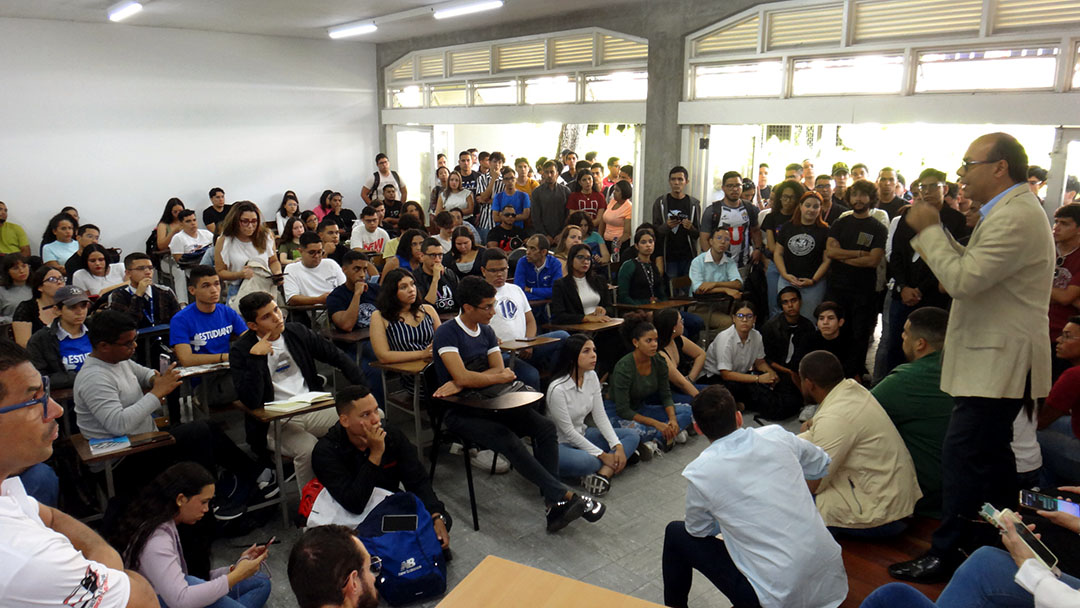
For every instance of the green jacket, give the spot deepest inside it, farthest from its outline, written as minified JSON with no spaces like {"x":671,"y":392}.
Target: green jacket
{"x":630,"y":390}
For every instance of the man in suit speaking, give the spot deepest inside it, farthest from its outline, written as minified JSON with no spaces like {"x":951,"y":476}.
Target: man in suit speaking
{"x":997,"y":350}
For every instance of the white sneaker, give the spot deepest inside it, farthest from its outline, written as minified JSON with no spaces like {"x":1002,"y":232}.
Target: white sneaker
{"x":482,"y":460}
{"x":681,"y":437}
{"x":807,"y":412}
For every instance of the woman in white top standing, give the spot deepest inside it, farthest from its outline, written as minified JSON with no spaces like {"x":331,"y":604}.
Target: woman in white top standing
{"x":99,"y":277}
{"x":244,"y":239}
{"x":595,"y":454}
{"x":455,"y":197}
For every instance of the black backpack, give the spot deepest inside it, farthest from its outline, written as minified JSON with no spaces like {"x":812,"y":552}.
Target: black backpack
{"x":375,"y":184}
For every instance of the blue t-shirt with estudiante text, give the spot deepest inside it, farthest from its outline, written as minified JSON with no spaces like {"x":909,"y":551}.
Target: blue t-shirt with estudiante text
{"x":206,"y":333}
{"x":73,"y":351}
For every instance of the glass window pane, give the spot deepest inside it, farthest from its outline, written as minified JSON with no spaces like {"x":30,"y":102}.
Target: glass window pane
{"x":495,"y":93}
{"x":551,"y":89}
{"x":861,"y":74}
{"x":761,"y":79}
{"x":1031,"y":68}
{"x":408,"y":97}
{"x":448,"y":95}
{"x":617,"y":86}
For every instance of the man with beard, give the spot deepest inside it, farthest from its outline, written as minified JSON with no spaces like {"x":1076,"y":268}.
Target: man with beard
{"x":329,"y":567}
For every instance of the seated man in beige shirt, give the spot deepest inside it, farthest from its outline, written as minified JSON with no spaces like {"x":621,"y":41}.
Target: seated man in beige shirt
{"x":871,"y":485}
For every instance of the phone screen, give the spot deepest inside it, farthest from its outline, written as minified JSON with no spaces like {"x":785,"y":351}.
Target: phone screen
{"x":1033,"y":500}
{"x":1035,"y":545}
{"x":398,"y":523}
{"x":163,"y":363}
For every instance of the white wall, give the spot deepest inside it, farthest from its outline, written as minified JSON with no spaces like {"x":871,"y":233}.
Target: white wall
{"x":116,"y":119}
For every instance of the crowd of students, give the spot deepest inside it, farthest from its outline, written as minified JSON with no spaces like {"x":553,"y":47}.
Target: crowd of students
{"x":786,"y":284}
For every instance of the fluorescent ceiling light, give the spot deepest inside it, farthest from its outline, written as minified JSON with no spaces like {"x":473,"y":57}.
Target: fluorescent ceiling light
{"x":123,"y":10}
{"x":467,"y":9}
{"x":352,"y":29}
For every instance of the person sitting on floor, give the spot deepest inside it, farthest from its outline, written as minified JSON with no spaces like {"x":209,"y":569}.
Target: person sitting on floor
{"x":359,"y":454}
{"x":147,"y":303}
{"x":916,"y":405}
{"x":468,"y":359}
{"x":323,"y":558}
{"x":685,"y":359}
{"x":871,"y":485}
{"x":276,"y":361}
{"x":59,"y":351}
{"x":785,"y":337}
{"x":744,"y":483}
{"x":736,"y":358}
{"x":641,"y":395}
{"x":50,"y":558}
{"x":830,"y":319}
{"x":148,"y":532}
{"x":592,"y":454}
{"x":311,"y":281}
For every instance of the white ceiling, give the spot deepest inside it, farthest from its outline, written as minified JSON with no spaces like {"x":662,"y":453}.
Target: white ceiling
{"x":297,"y":18}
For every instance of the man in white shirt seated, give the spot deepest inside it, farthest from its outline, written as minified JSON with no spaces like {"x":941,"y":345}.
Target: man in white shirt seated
{"x":751,"y":525}
{"x":514,"y":320}
{"x":47,"y":557}
{"x":309,"y":282}
{"x":192,"y":244}
{"x":871,"y":485}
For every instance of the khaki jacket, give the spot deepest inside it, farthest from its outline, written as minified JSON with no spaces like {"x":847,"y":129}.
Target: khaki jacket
{"x":871,"y":478}
{"x":1000,"y":285}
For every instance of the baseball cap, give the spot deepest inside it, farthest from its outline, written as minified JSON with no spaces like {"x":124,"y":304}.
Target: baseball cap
{"x":69,"y":295}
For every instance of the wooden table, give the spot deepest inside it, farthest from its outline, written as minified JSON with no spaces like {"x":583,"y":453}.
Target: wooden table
{"x":655,"y":306}
{"x":588,"y":328}
{"x":275,"y":419}
{"x":513,"y":346}
{"x":139,"y":443}
{"x":416,"y":370}
{"x":499,"y":582}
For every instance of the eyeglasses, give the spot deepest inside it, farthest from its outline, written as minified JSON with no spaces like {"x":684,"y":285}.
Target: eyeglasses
{"x":129,"y":344}
{"x":582,"y":258}
{"x":929,"y":187}
{"x":43,"y":401}
{"x":248,"y":222}
{"x":54,"y":280}
{"x":376,"y":565}
{"x":744,"y":316}
{"x":968,"y":164}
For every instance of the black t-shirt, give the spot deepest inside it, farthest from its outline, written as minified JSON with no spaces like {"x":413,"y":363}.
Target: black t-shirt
{"x":835,"y":211}
{"x":804,"y":248}
{"x":786,"y":343}
{"x":29,"y":312}
{"x":678,"y":241}
{"x":215,"y":217}
{"x":392,"y":208}
{"x":893,"y":207}
{"x":842,"y":347}
{"x":773,"y":220}
{"x":508,"y":239}
{"x":468,"y":182}
{"x":856,"y":234}
{"x":344,"y":220}
{"x":444,"y":295}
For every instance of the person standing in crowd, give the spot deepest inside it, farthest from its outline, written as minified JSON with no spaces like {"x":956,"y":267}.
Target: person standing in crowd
{"x":586,"y":199}
{"x":840,"y":175}
{"x":1005,"y":273}
{"x":615,"y":222}
{"x":786,"y":197}
{"x":213,"y":217}
{"x":831,"y":207}
{"x":677,"y":217}
{"x":739,"y":218}
{"x":374,"y":185}
{"x":888,"y":201}
{"x":1059,"y":418}
{"x":523,"y":181}
{"x":549,"y":201}
{"x":442,"y":175}
{"x":799,"y":253}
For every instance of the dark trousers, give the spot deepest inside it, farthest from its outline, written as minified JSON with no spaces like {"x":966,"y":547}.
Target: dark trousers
{"x":684,"y":553}
{"x":501,"y":430}
{"x":861,"y":310}
{"x":778,"y":402}
{"x":898,"y":313}
{"x":978,"y":466}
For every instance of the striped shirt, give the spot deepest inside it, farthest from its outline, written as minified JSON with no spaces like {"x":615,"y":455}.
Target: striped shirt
{"x":404,"y":337}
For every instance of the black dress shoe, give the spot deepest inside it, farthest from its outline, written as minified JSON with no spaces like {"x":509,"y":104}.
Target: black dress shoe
{"x":926,"y":569}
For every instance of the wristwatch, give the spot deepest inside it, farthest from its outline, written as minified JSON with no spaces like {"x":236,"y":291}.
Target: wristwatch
{"x":439,"y":517}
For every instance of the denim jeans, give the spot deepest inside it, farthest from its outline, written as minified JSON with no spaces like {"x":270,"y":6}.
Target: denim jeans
{"x":984,"y":579}
{"x":41,"y":483}
{"x":1060,"y":452}
{"x":574,"y":462}
{"x":683,"y":415}
{"x":543,"y":356}
{"x":251,"y":592}
{"x":772,"y":282}
{"x":683,"y":397}
{"x":501,"y":431}
{"x":811,"y":296}
{"x":684,"y":553}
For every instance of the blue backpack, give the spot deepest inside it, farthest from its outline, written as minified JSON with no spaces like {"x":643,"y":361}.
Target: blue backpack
{"x":412,"y":561}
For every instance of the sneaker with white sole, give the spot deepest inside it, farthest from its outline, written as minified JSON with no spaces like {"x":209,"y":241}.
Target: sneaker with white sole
{"x":481,"y":459}
{"x":807,"y":412}
{"x":653,"y":449}
{"x":681,"y":437}
{"x":594,"y":509}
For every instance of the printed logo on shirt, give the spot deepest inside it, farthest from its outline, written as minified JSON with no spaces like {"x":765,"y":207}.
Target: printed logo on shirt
{"x":508,"y":309}
{"x":74,"y":362}
{"x":202,"y":338}
{"x":284,"y":367}
{"x":865,"y":239}
{"x":444,"y":298}
{"x":376,"y":245}
{"x":1062,"y":277}
{"x":90,"y":592}
{"x":801,"y":244}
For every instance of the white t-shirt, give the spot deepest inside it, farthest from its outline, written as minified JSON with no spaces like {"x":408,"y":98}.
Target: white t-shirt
{"x":377,"y":193}
{"x":510,"y":308}
{"x":368,"y":241}
{"x":728,"y":352}
{"x":182,"y":243}
{"x":236,"y":254}
{"x":456,"y":200}
{"x":94,"y":284}
{"x":304,"y":281}
{"x":588,"y":296}
{"x":40,"y":567}
{"x":285,"y":374}
{"x":1025,"y":443}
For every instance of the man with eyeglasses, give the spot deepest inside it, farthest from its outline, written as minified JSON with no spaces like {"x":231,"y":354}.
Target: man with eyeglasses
{"x":147,"y":303}
{"x":309,"y":282}
{"x":831,"y":207}
{"x":537,"y":272}
{"x":739,"y":217}
{"x":1059,"y":418}
{"x":736,"y":359}
{"x":433,"y":283}
{"x":996,"y":354}
{"x":914,"y":284}
{"x":330,"y":568}
{"x":48,"y":557}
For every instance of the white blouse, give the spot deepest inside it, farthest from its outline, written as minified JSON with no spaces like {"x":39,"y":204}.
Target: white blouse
{"x":236,"y":253}
{"x":568,"y":406}
{"x":589,"y":298}
{"x":93,"y":284}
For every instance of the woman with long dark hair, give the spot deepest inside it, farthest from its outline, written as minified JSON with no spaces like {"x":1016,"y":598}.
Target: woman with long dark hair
{"x":463,"y":259}
{"x":799,"y":253}
{"x":408,"y":252}
{"x":97,"y":276}
{"x":288,"y":209}
{"x":685,"y":359}
{"x":169,"y":224}
{"x":590,"y":237}
{"x":39,"y":311}
{"x":148,"y":537}
{"x":58,"y":241}
{"x":594,"y":454}
{"x":443,"y":175}
{"x":582,"y":295}
{"x":310,"y":220}
{"x":323,"y":207}
{"x":785,"y":198}
{"x":414,"y":209}
{"x":289,"y":241}
{"x":403,"y":326}
{"x":14,"y":274}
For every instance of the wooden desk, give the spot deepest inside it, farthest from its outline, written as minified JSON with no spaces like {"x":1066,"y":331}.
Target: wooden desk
{"x":274,"y":419}
{"x":513,"y":346}
{"x":189,"y":373}
{"x":655,"y":306}
{"x":507,"y":401}
{"x":589,"y":328}
{"x":352,"y":338}
{"x":416,"y":370}
{"x":498,"y":582}
{"x":153,"y":440}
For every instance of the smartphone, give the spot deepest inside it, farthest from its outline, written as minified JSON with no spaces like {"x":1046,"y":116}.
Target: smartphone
{"x":163,"y":363}
{"x":398,"y":523}
{"x":273,"y":540}
{"x":1008,"y":518}
{"x":527,"y":339}
{"x":1042,"y":502}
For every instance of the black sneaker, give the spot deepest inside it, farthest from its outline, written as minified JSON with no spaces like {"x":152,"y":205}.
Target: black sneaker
{"x":229,"y":511}
{"x":594,"y":509}
{"x":560,"y":514}
{"x":266,"y":487}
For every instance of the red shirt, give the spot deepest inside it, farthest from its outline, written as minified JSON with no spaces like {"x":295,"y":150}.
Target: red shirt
{"x":1065,"y":396}
{"x":1065,"y":274}
{"x":591,"y":203}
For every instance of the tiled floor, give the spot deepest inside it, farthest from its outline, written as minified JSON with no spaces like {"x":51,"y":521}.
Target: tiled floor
{"x":621,"y":552}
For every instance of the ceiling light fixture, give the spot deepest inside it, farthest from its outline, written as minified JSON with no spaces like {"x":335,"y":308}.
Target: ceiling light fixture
{"x":467,"y":9}
{"x":351,"y":29}
{"x":124,"y":9}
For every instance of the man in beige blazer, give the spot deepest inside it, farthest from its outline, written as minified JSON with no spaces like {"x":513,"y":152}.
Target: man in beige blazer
{"x":997,"y":350}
